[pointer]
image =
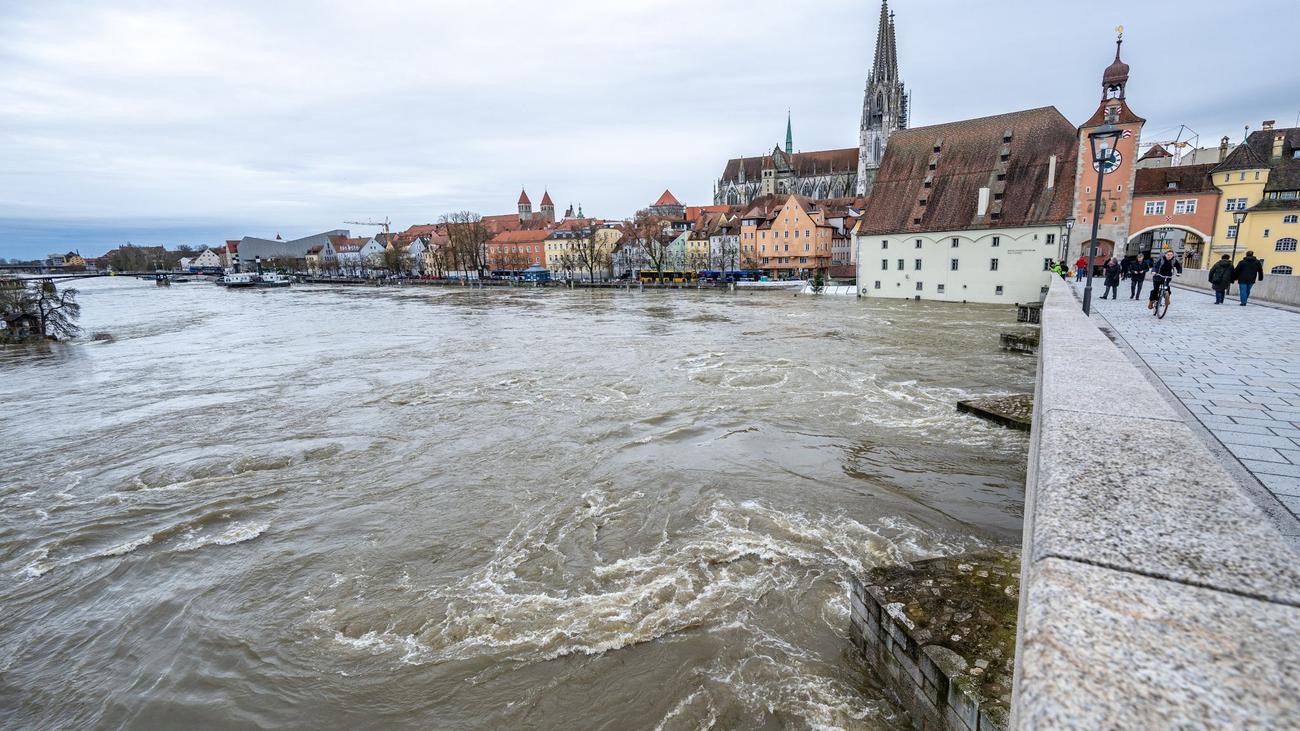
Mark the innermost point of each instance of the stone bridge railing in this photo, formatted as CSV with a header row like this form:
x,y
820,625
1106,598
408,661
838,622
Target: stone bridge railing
x,y
1154,593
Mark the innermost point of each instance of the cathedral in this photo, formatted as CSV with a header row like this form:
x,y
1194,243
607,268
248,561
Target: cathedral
x,y
838,173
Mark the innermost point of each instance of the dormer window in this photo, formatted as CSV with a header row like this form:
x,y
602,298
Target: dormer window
x,y
1171,185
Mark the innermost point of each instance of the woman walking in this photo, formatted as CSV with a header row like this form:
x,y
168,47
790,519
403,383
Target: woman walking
x,y
1221,277
1112,271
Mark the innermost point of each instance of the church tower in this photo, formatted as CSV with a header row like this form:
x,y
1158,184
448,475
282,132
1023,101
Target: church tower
x,y
884,105
525,206
548,207
1117,196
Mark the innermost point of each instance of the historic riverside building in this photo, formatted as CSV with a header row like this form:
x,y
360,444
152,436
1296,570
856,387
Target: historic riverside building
x,y
1173,208
1117,196
838,173
969,211
1261,179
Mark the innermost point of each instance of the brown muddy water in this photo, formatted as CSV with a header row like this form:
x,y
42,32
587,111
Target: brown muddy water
x,y
359,508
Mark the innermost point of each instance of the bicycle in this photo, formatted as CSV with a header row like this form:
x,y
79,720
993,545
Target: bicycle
x,y
1162,295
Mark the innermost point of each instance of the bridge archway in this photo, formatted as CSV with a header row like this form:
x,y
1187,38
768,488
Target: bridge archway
x,y
1189,243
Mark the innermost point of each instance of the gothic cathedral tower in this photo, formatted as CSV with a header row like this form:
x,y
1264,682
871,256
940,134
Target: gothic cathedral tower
x,y
1117,194
884,105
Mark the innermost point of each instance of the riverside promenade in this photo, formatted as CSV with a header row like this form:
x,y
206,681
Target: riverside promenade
x,y
1236,370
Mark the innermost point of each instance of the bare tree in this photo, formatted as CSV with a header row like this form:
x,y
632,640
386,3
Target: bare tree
x,y
55,312
656,245
592,252
467,241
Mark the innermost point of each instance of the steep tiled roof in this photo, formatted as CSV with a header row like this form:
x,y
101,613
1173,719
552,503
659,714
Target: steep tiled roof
x,y
1126,115
546,198
803,163
1186,179
695,213
523,198
1156,151
969,158
526,236
667,199
1257,152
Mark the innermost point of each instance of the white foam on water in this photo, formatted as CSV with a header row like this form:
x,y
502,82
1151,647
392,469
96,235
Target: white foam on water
x,y
232,535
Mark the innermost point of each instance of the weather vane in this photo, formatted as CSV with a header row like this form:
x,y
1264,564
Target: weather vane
x,y
1119,32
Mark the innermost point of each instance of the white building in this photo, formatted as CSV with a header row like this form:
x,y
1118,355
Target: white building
x,y
969,211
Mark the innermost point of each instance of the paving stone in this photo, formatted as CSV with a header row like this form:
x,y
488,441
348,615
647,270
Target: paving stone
x,y
1105,649
1281,484
1255,439
1136,516
1262,454
1272,468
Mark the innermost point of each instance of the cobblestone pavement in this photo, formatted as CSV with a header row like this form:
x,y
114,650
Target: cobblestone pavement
x,y
1237,369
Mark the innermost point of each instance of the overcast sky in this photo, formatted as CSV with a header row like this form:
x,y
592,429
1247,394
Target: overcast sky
x,y
174,122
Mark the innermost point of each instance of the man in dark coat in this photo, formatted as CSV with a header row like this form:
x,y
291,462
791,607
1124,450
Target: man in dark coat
x,y
1221,277
1163,270
1249,270
1137,275
1112,271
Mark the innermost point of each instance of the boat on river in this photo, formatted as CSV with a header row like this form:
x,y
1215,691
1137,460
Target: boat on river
x,y
238,281
272,279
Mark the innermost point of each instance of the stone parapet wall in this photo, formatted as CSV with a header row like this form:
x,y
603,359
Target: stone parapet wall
x,y
1280,289
1155,593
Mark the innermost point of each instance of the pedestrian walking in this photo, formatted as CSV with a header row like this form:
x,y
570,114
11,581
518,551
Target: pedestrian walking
x,y
1221,276
1080,268
1124,266
1112,271
1248,271
1137,275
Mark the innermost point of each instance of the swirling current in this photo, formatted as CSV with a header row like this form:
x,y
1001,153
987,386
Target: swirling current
x,y
458,509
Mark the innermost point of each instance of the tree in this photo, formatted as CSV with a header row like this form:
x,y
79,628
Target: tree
x,y
467,238
56,312
395,260
656,245
592,252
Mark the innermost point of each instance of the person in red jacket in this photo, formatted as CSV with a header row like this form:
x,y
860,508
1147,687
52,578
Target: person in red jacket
x,y
1080,268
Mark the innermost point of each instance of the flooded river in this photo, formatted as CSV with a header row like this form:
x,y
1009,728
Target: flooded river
x,y
361,508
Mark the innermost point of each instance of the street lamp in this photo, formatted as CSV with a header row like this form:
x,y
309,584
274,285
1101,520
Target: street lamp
x,y
1237,218
1065,241
1105,159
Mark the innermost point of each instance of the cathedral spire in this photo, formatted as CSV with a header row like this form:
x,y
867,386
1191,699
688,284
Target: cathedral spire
x,y
789,134
885,67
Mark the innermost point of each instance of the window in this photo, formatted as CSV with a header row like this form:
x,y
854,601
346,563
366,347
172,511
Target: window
x,y
877,284
998,290
1232,232
1284,245
954,265
940,289
1281,269
1235,204
1047,265
1154,208
1088,189
997,240
900,265
787,247
884,265
1289,219
1241,177
807,233
1266,233
1119,189
918,241
1187,206
1051,239
955,240
796,233
993,265
803,260
919,287
916,264
1171,185
884,244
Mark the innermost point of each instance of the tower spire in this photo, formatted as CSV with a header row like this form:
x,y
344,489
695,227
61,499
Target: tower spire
x,y
885,66
789,134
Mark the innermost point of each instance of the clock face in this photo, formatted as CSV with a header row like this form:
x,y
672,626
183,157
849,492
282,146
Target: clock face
x,y
1109,162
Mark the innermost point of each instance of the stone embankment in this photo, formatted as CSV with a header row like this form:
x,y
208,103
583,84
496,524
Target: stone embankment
x,y
1156,593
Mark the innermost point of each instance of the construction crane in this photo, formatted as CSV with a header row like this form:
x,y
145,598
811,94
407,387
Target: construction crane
x,y
1178,143
382,224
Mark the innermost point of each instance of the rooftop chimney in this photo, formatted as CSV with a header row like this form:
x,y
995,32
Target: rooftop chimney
x,y
1223,148
1267,125
1051,171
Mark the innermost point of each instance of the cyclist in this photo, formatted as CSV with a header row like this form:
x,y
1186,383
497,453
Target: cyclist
x,y
1163,271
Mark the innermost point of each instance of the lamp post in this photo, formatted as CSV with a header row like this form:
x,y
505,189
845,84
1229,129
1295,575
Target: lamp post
x,y
1104,159
1065,241
1237,218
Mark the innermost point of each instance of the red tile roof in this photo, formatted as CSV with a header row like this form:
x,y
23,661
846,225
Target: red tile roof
x,y
970,158
667,199
546,198
523,198
526,236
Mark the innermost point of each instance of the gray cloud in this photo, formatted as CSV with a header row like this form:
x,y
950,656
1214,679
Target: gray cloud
x,y
299,115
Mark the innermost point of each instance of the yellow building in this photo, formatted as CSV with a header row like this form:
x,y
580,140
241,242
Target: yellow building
x,y
581,248
1260,187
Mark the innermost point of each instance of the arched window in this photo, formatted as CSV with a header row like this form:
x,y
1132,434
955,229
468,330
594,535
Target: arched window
x,y
1285,245
1282,269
